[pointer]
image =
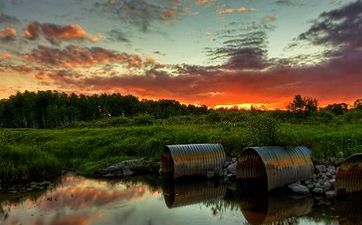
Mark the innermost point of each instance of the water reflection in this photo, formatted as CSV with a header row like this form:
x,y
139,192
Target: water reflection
x,y
81,201
276,209
349,210
178,193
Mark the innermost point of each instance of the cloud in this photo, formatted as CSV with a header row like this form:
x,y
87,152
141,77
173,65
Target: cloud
x,y
140,13
248,74
224,10
204,2
56,33
285,2
7,19
5,55
214,86
118,36
340,28
8,34
269,18
244,51
73,56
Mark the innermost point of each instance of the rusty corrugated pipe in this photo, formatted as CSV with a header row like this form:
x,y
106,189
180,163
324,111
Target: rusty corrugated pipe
x,y
275,209
349,175
177,194
281,165
192,159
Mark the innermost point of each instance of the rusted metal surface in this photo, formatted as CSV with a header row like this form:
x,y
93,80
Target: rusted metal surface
x,y
280,165
177,194
275,209
193,159
349,175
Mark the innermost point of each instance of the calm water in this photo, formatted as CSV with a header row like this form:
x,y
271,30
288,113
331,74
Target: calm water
x,y
81,201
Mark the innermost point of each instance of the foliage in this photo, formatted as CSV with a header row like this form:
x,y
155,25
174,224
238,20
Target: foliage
x,y
92,139
262,129
47,109
305,105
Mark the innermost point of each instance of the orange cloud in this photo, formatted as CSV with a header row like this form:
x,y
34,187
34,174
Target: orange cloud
x,y
5,55
232,10
168,13
8,34
203,2
269,18
74,56
56,33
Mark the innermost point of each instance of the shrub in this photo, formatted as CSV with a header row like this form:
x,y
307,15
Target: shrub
x,y
262,129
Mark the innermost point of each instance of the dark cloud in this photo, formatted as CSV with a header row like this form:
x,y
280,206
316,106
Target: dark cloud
x,y
73,56
141,13
340,31
55,33
286,2
116,35
339,28
7,19
245,51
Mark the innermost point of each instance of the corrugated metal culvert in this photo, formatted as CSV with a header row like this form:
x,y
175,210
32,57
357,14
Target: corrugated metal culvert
x,y
177,194
349,175
279,165
275,209
192,159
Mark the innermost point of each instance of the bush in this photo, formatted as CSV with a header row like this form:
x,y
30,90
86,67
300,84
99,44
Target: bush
x,y
22,163
143,119
262,129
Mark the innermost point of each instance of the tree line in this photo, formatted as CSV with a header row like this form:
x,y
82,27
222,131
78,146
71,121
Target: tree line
x,y
49,109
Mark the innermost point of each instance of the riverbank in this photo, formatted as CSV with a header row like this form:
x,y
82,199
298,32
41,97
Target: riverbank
x,y
37,154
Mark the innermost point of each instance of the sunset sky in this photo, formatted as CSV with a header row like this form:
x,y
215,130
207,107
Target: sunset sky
x,y
213,52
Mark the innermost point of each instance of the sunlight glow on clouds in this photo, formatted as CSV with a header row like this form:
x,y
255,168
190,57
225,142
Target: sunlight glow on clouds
x,y
153,49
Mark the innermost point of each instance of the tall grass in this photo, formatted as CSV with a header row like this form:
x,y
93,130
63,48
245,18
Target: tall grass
x,y
27,154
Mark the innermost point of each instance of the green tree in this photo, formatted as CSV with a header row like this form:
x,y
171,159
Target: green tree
x,y
304,105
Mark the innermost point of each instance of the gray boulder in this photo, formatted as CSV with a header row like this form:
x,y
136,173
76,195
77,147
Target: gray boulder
x,y
331,194
321,168
299,188
318,190
232,168
127,168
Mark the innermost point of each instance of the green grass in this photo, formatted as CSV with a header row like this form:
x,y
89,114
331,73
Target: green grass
x,y
27,154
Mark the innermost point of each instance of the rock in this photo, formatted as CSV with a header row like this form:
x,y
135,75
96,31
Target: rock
x,y
308,182
127,172
329,175
226,164
210,174
310,186
318,190
321,168
232,168
331,194
299,188
127,168
332,182
327,186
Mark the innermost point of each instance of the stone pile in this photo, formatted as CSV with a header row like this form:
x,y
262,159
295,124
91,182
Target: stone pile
x,y
229,169
321,183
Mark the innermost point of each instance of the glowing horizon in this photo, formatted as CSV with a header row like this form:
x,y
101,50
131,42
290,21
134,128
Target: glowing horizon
x,y
216,53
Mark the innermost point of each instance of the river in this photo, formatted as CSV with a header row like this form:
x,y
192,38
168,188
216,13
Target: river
x,y
80,201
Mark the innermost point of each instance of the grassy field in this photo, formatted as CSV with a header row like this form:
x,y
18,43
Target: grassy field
x,y
28,154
